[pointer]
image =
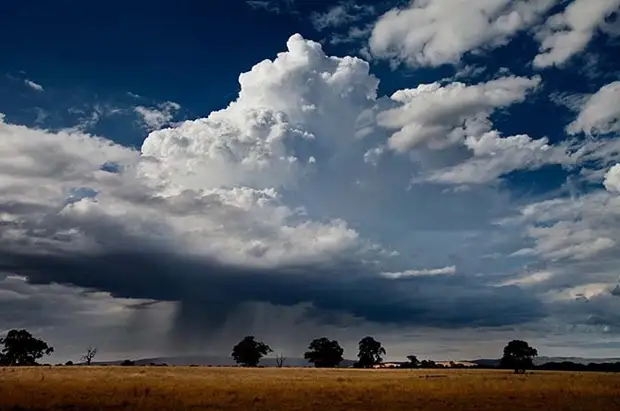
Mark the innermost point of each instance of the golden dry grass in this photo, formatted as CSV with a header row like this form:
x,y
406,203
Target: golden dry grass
x,y
181,388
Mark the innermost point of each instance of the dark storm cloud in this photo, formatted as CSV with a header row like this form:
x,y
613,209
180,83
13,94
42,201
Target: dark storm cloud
x,y
208,292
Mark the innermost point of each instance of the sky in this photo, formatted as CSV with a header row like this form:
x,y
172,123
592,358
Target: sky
x,y
443,175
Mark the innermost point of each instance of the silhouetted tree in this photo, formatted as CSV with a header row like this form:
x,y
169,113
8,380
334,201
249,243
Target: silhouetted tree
x,y
21,348
69,363
519,356
428,364
280,358
413,362
370,353
248,351
324,353
128,363
91,352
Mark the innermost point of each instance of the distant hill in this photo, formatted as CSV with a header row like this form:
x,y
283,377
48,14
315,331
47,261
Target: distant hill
x,y
542,360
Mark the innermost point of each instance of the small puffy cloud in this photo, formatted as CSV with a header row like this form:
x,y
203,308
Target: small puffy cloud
x,y
437,116
33,85
373,155
341,14
155,118
600,113
436,32
612,179
568,33
420,273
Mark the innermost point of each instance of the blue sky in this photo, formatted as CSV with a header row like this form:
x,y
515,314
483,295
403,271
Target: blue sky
x,y
442,175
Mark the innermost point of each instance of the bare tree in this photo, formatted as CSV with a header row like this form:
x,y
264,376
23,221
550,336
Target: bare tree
x,y
91,352
280,358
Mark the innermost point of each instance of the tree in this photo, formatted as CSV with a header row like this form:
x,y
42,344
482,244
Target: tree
x,y
280,358
248,351
21,348
428,364
324,353
518,355
370,353
91,352
413,362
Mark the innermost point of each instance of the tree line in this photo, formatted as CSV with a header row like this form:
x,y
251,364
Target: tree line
x,y
326,353
20,348
322,353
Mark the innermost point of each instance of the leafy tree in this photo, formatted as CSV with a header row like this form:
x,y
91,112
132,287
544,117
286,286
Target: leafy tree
x,y
90,354
324,353
428,364
370,353
518,355
21,348
128,363
413,362
248,351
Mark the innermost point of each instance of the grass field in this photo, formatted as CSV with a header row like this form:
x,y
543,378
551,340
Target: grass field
x,y
197,388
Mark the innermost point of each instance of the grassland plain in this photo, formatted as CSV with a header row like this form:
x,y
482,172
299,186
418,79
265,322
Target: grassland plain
x,y
202,388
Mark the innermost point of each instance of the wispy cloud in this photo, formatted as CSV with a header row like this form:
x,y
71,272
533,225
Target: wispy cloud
x,y
341,14
89,115
33,85
155,118
272,6
420,273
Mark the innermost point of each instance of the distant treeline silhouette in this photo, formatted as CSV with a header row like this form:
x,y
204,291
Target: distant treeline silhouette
x,y
20,348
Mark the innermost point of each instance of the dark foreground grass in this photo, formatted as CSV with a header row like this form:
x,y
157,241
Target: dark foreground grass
x,y
181,388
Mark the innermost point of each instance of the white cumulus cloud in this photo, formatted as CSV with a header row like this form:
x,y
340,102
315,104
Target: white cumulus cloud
x,y
436,32
208,187
612,179
303,97
494,156
601,112
568,33
438,116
